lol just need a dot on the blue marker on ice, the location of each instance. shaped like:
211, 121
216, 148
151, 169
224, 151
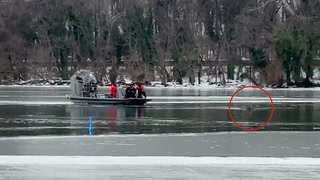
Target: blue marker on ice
90, 126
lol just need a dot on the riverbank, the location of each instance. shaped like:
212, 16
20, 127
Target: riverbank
157, 84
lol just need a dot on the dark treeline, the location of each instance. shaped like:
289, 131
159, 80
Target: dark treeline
50, 38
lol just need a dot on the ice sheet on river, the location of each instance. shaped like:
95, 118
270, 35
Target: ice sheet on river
159, 168
233, 144
229, 155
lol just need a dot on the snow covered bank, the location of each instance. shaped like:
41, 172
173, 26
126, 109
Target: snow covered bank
66, 83
186, 87
230, 84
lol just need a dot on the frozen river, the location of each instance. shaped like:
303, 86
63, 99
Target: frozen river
234, 144
158, 168
236, 155
181, 134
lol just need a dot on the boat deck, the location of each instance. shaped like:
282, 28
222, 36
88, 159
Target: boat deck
112, 101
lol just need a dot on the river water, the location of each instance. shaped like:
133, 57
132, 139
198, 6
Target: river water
43, 136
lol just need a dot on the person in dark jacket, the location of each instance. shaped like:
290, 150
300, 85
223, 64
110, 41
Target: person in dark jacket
130, 92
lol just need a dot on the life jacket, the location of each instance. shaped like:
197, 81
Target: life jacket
140, 88
113, 90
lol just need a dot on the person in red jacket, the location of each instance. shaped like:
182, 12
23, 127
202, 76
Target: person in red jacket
141, 93
113, 90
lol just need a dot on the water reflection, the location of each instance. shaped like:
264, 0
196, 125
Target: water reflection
108, 120
90, 126
132, 117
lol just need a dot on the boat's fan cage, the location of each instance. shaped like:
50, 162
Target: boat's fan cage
83, 84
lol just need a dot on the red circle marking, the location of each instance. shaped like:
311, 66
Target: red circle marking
230, 113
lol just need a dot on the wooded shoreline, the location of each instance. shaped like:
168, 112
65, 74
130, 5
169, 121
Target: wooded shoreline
54, 38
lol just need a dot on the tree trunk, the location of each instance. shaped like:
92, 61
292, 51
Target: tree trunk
230, 72
168, 76
177, 75
296, 76
239, 72
223, 78
288, 77
199, 76
163, 75
114, 71
216, 73
192, 78
64, 65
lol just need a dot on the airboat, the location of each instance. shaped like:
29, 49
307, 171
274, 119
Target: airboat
84, 90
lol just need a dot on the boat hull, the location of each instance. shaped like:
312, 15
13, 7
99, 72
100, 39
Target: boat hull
111, 101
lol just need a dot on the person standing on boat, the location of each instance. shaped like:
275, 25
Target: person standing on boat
120, 91
141, 93
113, 90
93, 89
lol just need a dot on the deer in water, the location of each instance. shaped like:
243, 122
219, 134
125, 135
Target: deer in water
250, 107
